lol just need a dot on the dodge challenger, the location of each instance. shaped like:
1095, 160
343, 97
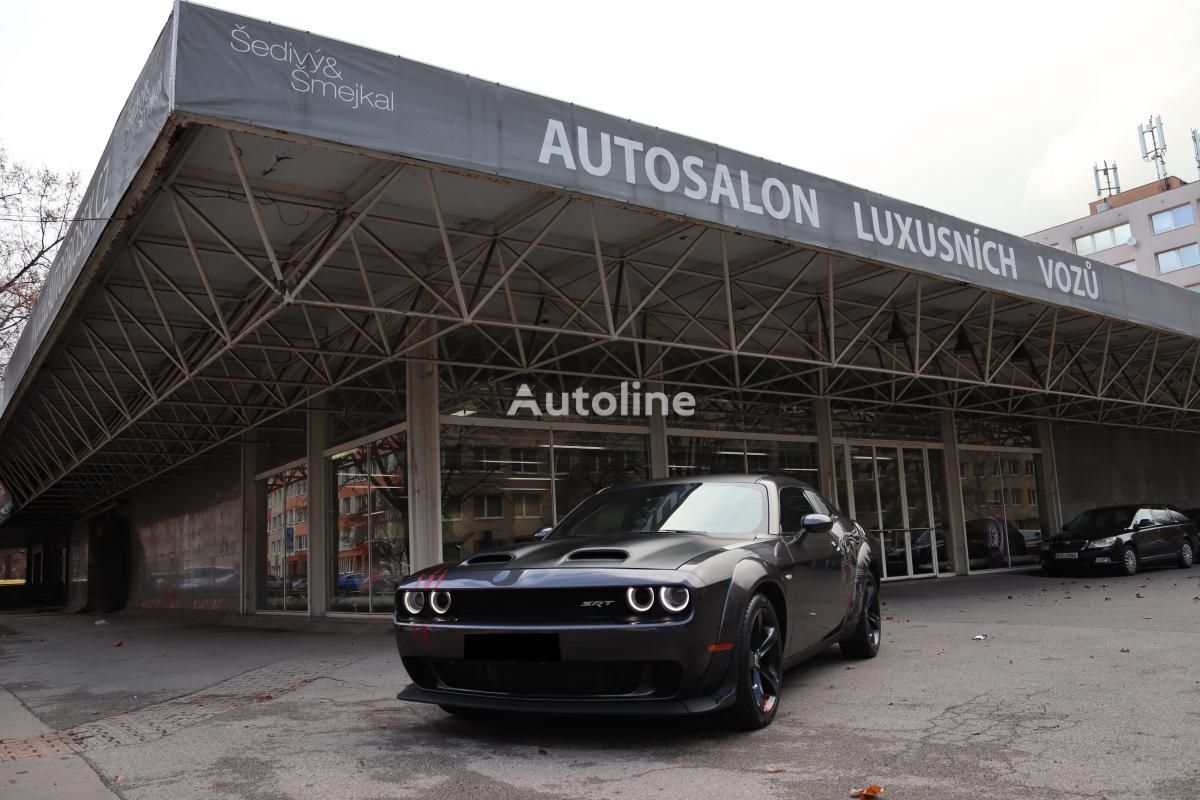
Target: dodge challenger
663, 597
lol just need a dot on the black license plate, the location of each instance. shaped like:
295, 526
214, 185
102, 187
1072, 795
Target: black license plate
511, 647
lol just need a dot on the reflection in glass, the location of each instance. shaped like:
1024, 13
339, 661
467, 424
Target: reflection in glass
585, 463
794, 459
693, 455
371, 492
1001, 506
286, 577
862, 485
496, 487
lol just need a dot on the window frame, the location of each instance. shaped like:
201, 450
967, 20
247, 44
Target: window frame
1154, 230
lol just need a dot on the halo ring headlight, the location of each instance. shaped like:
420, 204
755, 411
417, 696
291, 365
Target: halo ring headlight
439, 601
640, 598
674, 598
414, 602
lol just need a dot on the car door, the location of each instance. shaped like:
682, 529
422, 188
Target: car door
1171, 538
1147, 534
814, 585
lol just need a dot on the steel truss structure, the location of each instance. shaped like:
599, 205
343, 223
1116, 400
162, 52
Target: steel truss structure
262, 272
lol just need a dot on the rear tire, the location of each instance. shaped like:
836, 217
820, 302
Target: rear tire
1187, 555
1129, 561
759, 657
864, 640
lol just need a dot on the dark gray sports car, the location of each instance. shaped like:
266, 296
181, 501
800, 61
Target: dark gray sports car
674, 596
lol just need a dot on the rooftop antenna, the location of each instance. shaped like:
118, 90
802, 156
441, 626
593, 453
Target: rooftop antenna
1156, 149
1196, 147
1110, 184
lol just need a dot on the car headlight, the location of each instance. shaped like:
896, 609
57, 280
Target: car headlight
640, 598
674, 598
414, 602
1107, 541
439, 601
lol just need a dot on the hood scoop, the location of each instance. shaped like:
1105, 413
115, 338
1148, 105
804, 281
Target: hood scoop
598, 554
489, 558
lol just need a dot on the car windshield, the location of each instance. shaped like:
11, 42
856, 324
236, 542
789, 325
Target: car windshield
718, 509
1103, 519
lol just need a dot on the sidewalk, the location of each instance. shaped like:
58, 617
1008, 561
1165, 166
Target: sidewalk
36, 763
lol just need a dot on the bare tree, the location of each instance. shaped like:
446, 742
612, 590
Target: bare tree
36, 205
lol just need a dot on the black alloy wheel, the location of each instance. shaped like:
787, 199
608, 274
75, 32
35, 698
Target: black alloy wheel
760, 667
864, 640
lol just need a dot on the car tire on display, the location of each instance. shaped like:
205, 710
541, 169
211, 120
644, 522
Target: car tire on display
864, 640
1187, 555
759, 656
1129, 561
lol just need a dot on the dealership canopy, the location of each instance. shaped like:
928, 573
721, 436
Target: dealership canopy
278, 217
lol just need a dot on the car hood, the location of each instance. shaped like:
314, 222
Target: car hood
627, 551
1087, 535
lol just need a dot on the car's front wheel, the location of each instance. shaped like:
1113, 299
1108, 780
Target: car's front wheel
1187, 555
1129, 561
760, 667
864, 640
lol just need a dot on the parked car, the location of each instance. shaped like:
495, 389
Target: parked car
666, 597
1122, 537
351, 583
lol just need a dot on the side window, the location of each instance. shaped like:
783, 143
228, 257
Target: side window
818, 503
1178, 518
1162, 517
1142, 513
793, 506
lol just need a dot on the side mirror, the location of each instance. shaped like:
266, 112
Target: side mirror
542, 533
1144, 523
1066, 527
817, 523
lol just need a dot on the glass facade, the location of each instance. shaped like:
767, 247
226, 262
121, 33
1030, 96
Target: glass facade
287, 541
1000, 508
501, 485
702, 455
370, 500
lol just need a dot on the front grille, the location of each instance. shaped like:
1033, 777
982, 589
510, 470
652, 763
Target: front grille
546, 607
564, 679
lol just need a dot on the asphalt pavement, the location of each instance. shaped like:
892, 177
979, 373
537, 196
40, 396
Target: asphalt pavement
1078, 688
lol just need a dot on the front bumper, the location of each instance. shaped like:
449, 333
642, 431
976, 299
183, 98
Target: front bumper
660, 667
1091, 557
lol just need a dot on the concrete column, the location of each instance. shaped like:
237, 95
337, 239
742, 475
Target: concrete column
1049, 502
955, 519
659, 453
826, 456
322, 526
254, 527
424, 458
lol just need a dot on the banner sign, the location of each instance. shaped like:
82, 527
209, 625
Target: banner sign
142, 118
256, 72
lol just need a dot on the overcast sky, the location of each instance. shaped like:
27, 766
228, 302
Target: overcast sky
996, 116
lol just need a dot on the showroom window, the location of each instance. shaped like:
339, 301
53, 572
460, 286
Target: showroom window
1172, 218
370, 483
1179, 258
285, 577
526, 477
1001, 511
1102, 240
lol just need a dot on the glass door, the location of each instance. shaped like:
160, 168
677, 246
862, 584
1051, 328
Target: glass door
893, 499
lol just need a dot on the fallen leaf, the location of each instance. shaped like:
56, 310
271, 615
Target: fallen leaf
868, 793
119, 778
1139, 596
775, 770
542, 751
119, 643
1124, 649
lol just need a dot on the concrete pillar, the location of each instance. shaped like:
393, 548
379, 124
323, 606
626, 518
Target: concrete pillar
659, 452
254, 528
424, 458
955, 519
826, 455
322, 527
1049, 502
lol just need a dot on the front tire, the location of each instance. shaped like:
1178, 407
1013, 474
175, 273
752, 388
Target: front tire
760, 667
1187, 555
864, 640
1130, 561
